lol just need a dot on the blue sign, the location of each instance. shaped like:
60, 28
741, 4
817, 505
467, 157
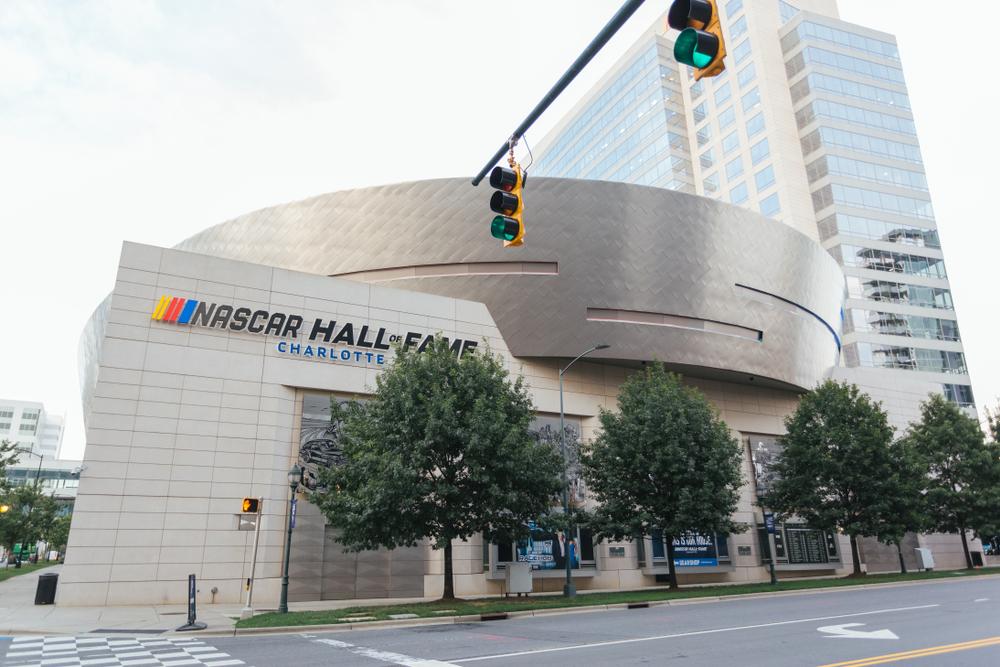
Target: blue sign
769, 522
295, 505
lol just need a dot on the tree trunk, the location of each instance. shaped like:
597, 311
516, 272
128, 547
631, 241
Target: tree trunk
965, 548
449, 579
856, 556
902, 563
669, 539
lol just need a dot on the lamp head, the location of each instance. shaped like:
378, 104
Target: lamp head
294, 476
601, 346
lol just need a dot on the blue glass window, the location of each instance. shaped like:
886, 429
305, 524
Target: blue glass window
734, 169
755, 125
759, 151
723, 93
764, 178
747, 75
770, 206
751, 100
727, 118
730, 142
739, 194
711, 183
742, 51
732, 7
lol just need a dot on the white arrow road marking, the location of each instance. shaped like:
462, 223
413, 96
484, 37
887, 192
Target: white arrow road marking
385, 656
841, 631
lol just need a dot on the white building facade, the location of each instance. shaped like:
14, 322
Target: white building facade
31, 427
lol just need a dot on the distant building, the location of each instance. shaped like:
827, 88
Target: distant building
58, 478
31, 427
810, 125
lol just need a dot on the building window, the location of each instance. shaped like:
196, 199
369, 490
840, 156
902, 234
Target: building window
730, 142
27, 428
751, 100
707, 159
722, 94
700, 112
6, 413
738, 28
704, 135
734, 169
894, 292
872, 355
770, 206
739, 194
5, 426
755, 125
759, 151
711, 183
877, 230
732, 7
876, 259
747, 75
787, 11
727, 118
959, 393
764, 178
697, 88
742, 51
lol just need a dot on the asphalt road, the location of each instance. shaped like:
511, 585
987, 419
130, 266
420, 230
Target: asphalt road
949, 623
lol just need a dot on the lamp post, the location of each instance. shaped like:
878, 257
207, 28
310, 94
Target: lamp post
569, 589
38, 474
294, 479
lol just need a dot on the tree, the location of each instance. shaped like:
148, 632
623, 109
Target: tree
30, 515
664, 461
836, 467
441, 451
58, 534
8, 457
962, 469
903, 496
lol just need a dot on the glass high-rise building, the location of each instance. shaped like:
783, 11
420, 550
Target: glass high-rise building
810, 125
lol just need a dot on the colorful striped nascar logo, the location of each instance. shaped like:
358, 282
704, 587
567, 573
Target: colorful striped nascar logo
174, 309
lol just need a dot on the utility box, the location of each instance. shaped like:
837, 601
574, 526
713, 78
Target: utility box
925, 560
518, 578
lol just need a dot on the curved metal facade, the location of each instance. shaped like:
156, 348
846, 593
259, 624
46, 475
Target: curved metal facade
709, 288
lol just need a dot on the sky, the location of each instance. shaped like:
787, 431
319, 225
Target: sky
149, 121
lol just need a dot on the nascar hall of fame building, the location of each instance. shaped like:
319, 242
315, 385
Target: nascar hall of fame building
211, 368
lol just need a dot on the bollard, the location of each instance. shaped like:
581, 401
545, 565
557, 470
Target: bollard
192, 623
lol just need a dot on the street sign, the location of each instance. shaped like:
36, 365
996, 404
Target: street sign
769, 522
295, 505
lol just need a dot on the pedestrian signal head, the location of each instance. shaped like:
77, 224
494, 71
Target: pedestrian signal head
251, 505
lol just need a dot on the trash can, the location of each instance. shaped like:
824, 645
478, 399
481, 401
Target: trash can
46, 591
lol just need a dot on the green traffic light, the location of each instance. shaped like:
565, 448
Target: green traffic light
504, 228
696, 48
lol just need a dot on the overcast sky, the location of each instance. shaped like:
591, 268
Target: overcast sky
149, 121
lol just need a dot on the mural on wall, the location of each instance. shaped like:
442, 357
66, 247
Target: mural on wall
765, 450
546, 429
319, 437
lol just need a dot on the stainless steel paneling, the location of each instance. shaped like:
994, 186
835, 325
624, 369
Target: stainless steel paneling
618, 246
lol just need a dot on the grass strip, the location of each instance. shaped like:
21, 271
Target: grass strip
462, 607
26, 568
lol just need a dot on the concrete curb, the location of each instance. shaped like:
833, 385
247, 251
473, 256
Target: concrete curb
475, 618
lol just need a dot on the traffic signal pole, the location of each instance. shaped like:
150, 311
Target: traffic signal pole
616, 22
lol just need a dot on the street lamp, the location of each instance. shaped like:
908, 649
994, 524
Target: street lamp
38, 474
569, 590
294, 479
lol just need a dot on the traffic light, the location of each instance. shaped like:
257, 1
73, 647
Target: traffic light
508, 226
251, 505
700, 44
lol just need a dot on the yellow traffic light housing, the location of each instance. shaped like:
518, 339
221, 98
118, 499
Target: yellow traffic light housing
251, 505
701, 44
508, 226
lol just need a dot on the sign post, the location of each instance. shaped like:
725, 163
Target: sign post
247, 611
769, 524
192, 623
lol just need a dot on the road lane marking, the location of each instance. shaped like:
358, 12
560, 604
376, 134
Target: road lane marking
981, 600
385, 656
916, 653
690, 634
842, 631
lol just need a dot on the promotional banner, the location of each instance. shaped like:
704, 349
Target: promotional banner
548, 551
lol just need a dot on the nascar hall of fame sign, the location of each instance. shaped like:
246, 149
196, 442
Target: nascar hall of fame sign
320, 338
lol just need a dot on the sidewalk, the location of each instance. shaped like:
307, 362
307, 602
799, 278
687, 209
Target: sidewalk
20, 616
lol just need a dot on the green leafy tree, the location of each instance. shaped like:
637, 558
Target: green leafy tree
837, 465
58, 534
664, 461
441, 451
8, 457
963, 470
903, 498
30, 515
